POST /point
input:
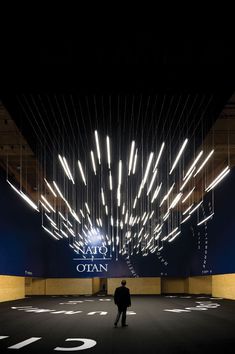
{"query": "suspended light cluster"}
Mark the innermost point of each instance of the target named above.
(132, 207)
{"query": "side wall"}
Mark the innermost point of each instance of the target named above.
(224, 286)
(141, 286)
(68, 286)
(173, 285)
(199, 285)
(11, 288)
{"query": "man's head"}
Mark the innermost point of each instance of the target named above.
(123, 282)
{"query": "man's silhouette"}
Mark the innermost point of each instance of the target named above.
(123, 300)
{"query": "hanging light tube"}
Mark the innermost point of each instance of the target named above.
(110, 181)
(102, 196)
(175, 200)
(47, 203)
(174, 236)
(139, 234)
(143, 216)
(87, 208)
(204, 220)
(50, 219)
(135, 201)
(204, 162)
(152, 181)
(185, 212)
(57, 233)
(197, 206)
(82, 213)
(81, 171)
(146, 218)
(108, 151)
(119, 196)
(157, 190)
(64, 233)
(159, 156)
(187, 179)
(61, 215)
(123, 209)
(88, 217)
(49, 232)
(150, 216)
(131, 157)
(58, 190)
(93, 162)
(167, 195)
(120, 173)
(147, 168)
(49, 186)
(68, 169)
(158, 235)
(135, 161)
(178, 156)
(97, 146)
(126, 217)
(188, 195)
(44, 206)
(218, 179)
(106, 209)
(64, 166)
(193, 164)
(140, 190)
(24, 196)
(166, 216)
(75, 216)
(111, 220)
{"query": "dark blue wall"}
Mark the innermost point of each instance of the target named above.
(207, 249)
(21, 239)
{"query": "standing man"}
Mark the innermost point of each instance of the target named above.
(123, 300)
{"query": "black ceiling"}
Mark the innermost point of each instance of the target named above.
(106, 61)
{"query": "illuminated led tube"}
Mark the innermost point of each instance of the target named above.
(218, 179)
(146, 218)
(64, 233)
(140, 232)
(64, 167)
(81, 171)
(82, 213)
(87, 208)
(204, 220)
(185, 212)
(68, 169)
(187, 179)
(135, 161)
(159, 155)
(47, 203)
(97, 146)
(61, 215)
(158, 235)
(204, 162)
(120, 173)
(178, 156)
(193, 164)
(175, 200)
(174, 236)
(140, 190)
(106, 210)
(135, 201)
(131, 157)
(49, 186)
(108, 151)
(110, 181)
(58, 190)
(188, 195)
(147, 168)
(24, 196)
(197, 206)
(152, 181)
(93, 162)
(102, 196)
(44, 206)
(49, 232)
(150, 216)
(157, 190)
